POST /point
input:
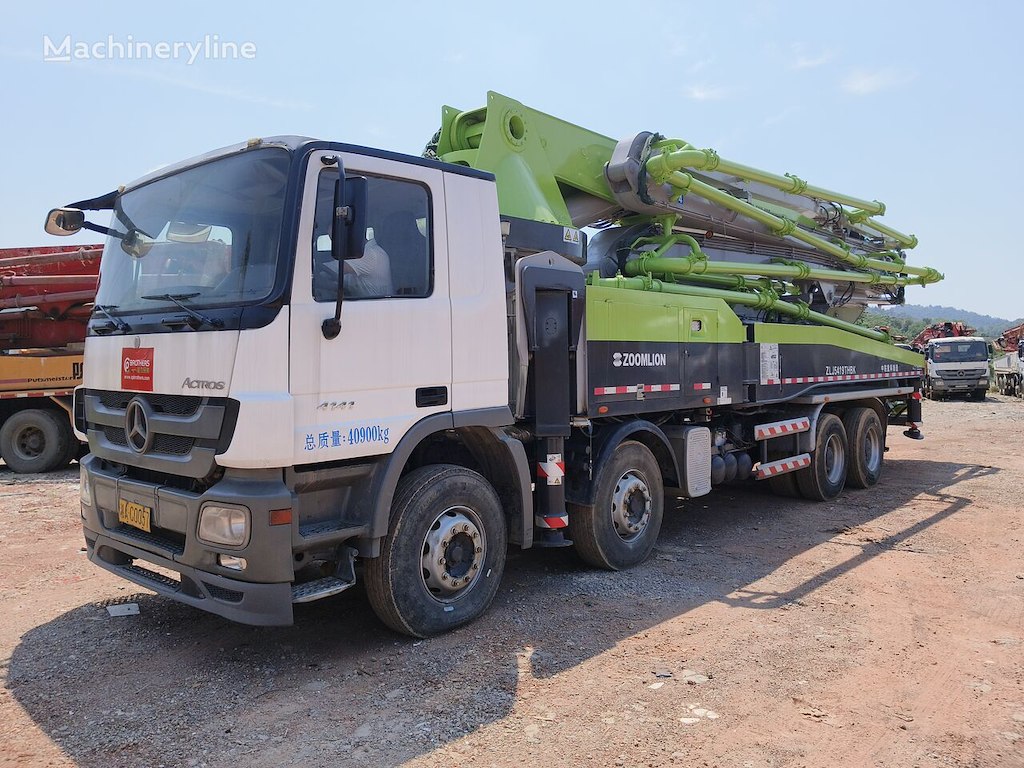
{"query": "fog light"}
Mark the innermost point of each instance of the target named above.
(232, 562)
(220, 524)
(84, 487)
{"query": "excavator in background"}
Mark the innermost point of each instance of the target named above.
(46, 299)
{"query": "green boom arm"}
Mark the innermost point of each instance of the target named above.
(552, 171)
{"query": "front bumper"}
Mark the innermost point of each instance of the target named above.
(959, 385)
(246, 603)
(260, 595)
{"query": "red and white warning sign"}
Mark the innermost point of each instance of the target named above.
(137, 369)
(553, 469)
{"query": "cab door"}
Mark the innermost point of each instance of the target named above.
(391, 365)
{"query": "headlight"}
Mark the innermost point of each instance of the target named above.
(983, 382)
(219, 524)
(84, 488)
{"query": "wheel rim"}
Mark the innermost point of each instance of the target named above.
(835, 459)
(29, 443)
(453, 553)
(631, 505)
(872, 450)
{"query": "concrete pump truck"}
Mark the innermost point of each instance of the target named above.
(311, 361)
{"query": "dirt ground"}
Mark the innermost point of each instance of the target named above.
(885, 628)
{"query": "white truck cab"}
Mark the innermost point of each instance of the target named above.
(956, 365)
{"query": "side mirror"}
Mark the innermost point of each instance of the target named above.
(64, 221)
(348, 228)
(348, 237)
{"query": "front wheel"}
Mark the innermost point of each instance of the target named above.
(442, 560)
(825, 478)
(620, 530)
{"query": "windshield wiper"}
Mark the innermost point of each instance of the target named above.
(117, 322)
(177, 298)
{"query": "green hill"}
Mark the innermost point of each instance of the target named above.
(909, 319)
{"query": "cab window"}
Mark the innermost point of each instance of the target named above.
(397, 260)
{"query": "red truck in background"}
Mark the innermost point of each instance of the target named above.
(46, 297)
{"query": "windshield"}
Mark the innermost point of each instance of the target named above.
(960, 352)
(207, 236)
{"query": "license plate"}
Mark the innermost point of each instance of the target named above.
(134, 514)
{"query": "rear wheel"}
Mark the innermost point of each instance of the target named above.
(866, 438)
(825, 477)
(442, 560)
(620, 530)
(35, 440)
(784, 485)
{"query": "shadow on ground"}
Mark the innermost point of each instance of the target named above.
(175, 686)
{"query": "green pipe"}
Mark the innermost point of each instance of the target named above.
(765, 300)
(665, 244)
(739, 282)
(792, 270)
(786, 227)
(673, 158)
(907, 241)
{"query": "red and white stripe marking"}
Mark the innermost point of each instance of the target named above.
(636, 388)
(554, 521)
(777, 428)
(553, 469)
(849, 377)
(48, 393)
(701, 386)
(782, 466)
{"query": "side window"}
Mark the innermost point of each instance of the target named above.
(397, 260)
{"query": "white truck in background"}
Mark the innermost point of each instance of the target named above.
(956, 365)
(1009, 371)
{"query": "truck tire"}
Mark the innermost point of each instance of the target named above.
(784, 485)
(442, 560)
(866, 439)
(620, 530)
(825, 478)
(35, 440)
(977, 394)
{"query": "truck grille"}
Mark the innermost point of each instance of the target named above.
(180, 426)
(177, 405)
(964, 374)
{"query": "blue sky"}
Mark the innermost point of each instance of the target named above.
(915, 104)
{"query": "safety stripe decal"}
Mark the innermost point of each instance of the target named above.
(53, 393)
(636, 388)
(553, 469)
(849, 377)
(782, 466)
(552, 521)
(777, 428)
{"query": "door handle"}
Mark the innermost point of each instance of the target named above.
(428, 397)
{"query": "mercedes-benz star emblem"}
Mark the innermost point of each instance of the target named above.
(136, 426)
